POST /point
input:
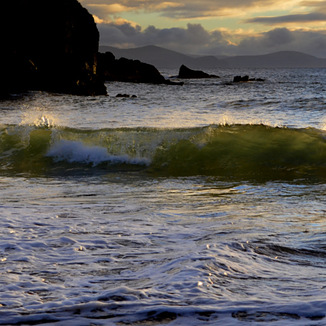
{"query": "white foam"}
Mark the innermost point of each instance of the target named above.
(77, 152)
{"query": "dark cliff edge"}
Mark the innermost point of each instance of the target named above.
(50, 46)
(127, 70)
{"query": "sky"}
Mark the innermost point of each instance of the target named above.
(213, 27)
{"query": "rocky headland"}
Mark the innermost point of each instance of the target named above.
(127, 70)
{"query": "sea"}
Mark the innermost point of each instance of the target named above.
(201, 204)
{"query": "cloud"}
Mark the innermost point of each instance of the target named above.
(299, 18)
(183, 39)
(313, 12)
(238, 36)
(318, 4)
(180, 9)
(194, 39)
(104, 10)
(283, 39)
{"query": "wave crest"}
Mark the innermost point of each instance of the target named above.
(232, 151)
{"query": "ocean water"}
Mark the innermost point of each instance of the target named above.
(201, 204)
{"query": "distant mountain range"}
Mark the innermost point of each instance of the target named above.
(163, 58)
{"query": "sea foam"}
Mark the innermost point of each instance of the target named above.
(77, 152)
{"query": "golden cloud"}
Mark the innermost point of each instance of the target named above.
(178, 9)
(109, 8)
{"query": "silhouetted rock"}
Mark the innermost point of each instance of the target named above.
(125, 95)
(185, 72)
(126, 70)
(238, 79)
(48, 45)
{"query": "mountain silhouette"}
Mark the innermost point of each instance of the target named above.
(164, 58)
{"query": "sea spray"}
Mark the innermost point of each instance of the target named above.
(39, 117)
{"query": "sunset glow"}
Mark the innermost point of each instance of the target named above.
(214, 27)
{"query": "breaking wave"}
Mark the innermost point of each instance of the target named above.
(228, 151)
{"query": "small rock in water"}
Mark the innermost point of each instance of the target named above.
(125, 95)
(238, 79)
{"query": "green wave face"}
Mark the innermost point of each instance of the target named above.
(23, 149)
(232, 151)
(247, 151)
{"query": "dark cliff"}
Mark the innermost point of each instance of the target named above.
(48, 45)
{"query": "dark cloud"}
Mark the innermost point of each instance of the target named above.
(184, 39)
(282, 39)
(196, 40)
(300, 18)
